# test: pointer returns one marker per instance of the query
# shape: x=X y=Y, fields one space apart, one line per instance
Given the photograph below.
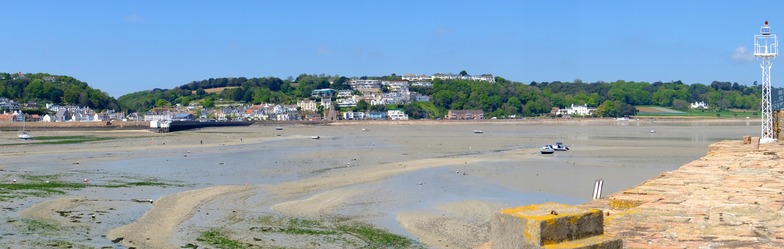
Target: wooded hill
x=500 y=99
x=45 y=88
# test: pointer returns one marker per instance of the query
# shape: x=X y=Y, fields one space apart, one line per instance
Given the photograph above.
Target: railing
x=765 y=45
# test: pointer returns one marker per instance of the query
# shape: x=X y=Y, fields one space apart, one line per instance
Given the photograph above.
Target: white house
x=353 y=115
x=397 y=115
x=415 y=77
x=699 y=105
x=307 y=105
x=422 y=84
x=345 y=94
x=577 y=110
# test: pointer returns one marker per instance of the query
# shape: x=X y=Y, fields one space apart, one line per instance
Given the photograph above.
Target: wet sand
x=436 y=183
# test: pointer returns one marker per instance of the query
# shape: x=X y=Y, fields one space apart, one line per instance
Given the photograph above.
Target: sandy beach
x=438 y=183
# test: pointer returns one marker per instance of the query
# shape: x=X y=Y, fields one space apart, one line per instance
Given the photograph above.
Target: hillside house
x=415 y=77
x=353 y=115
x=377 y=115
x=699 y=105
x=582 y=110
x=62 y=115
x=465 y=114
x=307 y=105
x=160 y=114
x=397 y=115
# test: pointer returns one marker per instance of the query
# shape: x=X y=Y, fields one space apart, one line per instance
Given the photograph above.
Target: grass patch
x=703 y=114
x=37 y=227
x=377 y=238
x=47 y=185
x=135 y=184
x=141 y=182
x=38 y=189
x=69 y=139
x=218 y=239
x=41 y=140
x=374 y=237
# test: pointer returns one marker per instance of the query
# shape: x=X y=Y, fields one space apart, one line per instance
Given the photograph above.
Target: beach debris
x=14 y=180
x=142 y=200
x=553 y=212
x=86 y=180
x=420 y=183
x=653 y=131
x=221 y=163
x=457 y=172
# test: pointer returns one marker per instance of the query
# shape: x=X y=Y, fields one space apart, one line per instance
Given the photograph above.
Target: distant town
x=380 y=98
x=372 y=92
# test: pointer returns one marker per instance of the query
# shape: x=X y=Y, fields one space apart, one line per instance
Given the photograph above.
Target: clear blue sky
x=127 y=46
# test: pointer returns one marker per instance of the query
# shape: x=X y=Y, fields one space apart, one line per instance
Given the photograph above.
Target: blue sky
x=127 y=46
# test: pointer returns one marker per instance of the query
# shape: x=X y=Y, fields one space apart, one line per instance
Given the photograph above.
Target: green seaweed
x=218 y=239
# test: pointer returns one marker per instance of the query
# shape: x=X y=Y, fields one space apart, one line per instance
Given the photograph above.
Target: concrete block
x=595 y=242
x=747 y=139
x=755 y=142
x=545 y=224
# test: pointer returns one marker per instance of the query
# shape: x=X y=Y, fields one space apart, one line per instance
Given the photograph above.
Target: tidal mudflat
x=412 y=184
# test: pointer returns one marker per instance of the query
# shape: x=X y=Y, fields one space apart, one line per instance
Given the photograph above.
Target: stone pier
x=731 y=198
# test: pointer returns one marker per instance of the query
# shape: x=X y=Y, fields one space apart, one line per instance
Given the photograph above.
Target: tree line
x=503 y=98
x=45 y=88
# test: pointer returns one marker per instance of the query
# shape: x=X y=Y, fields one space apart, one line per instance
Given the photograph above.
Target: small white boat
x=478 y=132
x=278 y=128
x=315 y=137
x=25 y=135
x=547 y=149
x=560 y=147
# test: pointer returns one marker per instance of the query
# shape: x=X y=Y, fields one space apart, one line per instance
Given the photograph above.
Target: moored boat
x=560 y=147
x=547 y=149
x=24 y=135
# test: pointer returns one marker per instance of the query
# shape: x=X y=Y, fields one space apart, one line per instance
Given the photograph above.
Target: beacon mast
x=766 y=50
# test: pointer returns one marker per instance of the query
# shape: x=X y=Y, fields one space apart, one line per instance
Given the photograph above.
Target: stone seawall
x=731 y=198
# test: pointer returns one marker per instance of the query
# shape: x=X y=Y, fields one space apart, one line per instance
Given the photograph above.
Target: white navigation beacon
x=765 y=30
x=766 y=48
